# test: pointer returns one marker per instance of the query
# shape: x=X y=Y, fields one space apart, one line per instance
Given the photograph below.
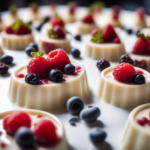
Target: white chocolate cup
x=69 y=18
x=63 y=145
x=135 y=137
x=1 y=51
x=115 y=23
x=2 y=27
x=121 y=94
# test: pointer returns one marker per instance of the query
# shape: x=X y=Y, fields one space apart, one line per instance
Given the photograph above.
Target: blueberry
x=69 y=69
x=75 y=52
x=32 y=78
x=74 y=105
x=139 y=78
x=97 y=135
x=38 y=28
x=90 y=114
x=29 y=49
x=6 y=59
x=46 y=19
x=78 y=37
x=24 y=137
x=55 y=75
x=129 y=31
x=34 y=46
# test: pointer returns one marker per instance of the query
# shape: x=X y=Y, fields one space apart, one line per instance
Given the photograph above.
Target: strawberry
x=57 y=21
x=88 y=19
x=8 y=30
x=22 y=30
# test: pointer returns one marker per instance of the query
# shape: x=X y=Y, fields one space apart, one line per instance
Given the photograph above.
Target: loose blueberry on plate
x=74 y=105
x=102 y=64
x=34 y=46
x=6 y=59
x=75 y=52
x=46 y=19
x=55 y=75
x=24 y=137
x=38 y=28
x=90 y=114
x=139 y=78
x=129 y=31
x=29 y=49
x=32 y=78
x=3 y=68
x=126 y=59
x=78 y=37
x=97 y=135
x=69 y=69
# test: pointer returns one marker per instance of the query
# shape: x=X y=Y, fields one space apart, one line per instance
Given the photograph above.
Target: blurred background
x=126 y=4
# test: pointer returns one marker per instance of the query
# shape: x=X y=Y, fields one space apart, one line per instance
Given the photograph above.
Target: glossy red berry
x=56 y=21
x=88 y=19
x=59 y=31
x=22 y=30
x=8 y=30
x=143 y=121
x=117 y=41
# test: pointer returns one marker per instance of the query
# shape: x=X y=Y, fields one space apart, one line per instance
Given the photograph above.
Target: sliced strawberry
x=57 y=21
x=48 y=47
x=88 y=19
x=8 y=30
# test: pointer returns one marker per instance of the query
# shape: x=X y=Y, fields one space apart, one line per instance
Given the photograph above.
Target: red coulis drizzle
x=90 y=106
x=3 y=145
x=65 y=76
x=20 y=75
x=78 y=69
x=139 y=71
x=39 y=116
x=43 y=81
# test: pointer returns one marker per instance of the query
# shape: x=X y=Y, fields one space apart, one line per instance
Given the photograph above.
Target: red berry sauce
x=139 y=71
x=43 y=81
x=78 y=70
x=3 y=145
x=39 y=116
x=65 y=76
x=90 y=106
x=20 y=75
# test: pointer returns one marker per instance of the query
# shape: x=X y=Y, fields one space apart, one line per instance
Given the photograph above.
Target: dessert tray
x=112 y=119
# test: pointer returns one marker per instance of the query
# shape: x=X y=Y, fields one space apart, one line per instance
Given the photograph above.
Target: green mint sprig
x=33 y=5
x=141 y=35
x=52 y=34
x=97 y=37
x=12 y=8
x=39 y=54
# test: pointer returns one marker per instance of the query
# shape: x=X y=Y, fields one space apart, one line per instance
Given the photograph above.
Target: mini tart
x=2 y=27
x=69 y=18
x=48 y=96
x=1 y=51
x=35 y=16
x=85 y=28
x=141 y=57
x=124 y=95
x=135 y=136
x=16 y=42
x=11 y=144
x=116 y=23
x=55 y=43
x=109 y=51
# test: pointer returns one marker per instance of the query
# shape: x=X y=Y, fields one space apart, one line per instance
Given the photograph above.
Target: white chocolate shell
x=48 y=96
x=63 y=145
x=69 y=18
x=121 y=94
x=109 y=51
x=116 y=23
x=55 y=43
x=1 y=51
x=135 y=137
x=2 y=27
x=16 y=42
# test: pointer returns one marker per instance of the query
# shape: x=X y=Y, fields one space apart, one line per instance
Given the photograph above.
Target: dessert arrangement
x=50 y=72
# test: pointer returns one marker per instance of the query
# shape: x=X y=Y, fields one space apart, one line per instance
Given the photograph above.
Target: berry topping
x=78 y=37
x=96 y=7
x=57 y=32
x=129 y=31
x=57 y=59
x=97 y=37
x=95 y=31
x=124 y=72
x=35 y=46
x=126 y=59
x=34 y=7
x=32 y=78
x=8 y=30
x=109 y=34
x=139 y=78
x=88 y=19
x=38 y=65
x=117 y=41
x=141 y=12
x=114 y=16
x=28 y=50
x=16 y=120
x=74 y=105
x=116 y=9
x=75 y=52
x=143 y=121
x=6 y=59
x=69 y=69
x=55 y=75
x=90 y=114
x=140 y=64
x=142 y=46
x=57 y=21
x=3 y=68
x=20 y=75
x=24 y=137
x=72 y=7
x=97 y=135
x=102 y=64
x=48 y=47
x=45 y=133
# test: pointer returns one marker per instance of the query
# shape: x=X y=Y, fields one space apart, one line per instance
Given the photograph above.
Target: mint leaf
x=97 y=37
x=12 y=8
x=39 y=54
x=141 y=35
x=33 y=5
x=52 y=34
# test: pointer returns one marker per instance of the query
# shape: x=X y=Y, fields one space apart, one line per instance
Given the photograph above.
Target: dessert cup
x=135 y=136
x=48 y=96
x=109 y=51
x=16 y=42
x=124 y=95
x=146 y=31
x=116 y=23
x=2 y=27
x=10 y=141
x=54 y=43
x=1 y=51
x=69 y=18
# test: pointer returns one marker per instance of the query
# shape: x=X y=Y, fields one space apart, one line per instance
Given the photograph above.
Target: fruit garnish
x=114 y=16
x=55 y=75
x=102 y=64
x=88 y=19
x=32 y=78
x=39 y=54
x=143 y=121
x=48 y=47
x=139 y=78
x=75 y=52
x=140 y=64
x=141 y=12
x=116 y=9
x=125 y=59
x=52 y=34
x=117 y=40
x=12 y=8
x=57 y=21
x=95 y=31
x=72 y=7
x=97 y=37
x=97 y=6
x=53 y=6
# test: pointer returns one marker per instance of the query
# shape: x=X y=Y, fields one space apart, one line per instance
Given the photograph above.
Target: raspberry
x=109 y=34
x=88 y=19
x=39 y=66
x=140 y=64
x=103 y=64
x=117 y=41
x=57 y=59
x=8 y=30
x=22 y=30
x=126 y=59
x=57 y=21
x=16 y=120
x=59 y=31
x=45 y=133
x=124 y=72
x=95 y=31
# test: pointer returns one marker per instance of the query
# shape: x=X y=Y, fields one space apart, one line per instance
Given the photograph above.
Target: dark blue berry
x=34 y=46
x=69 y=69
x=102 y=64
x=90 y=114
x=139 y=78
x=75 y=52
x=3 y=68
x=24 y=137
x=55 y=75
x=78 y=37
x=97 y=135
x=129 y=31
x=74 y=105
x=46 y=19
x=32 y=78
x=29 y=49
x=6 y=59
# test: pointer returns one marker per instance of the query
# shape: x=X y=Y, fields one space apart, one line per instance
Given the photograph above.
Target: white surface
x=111 y=120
